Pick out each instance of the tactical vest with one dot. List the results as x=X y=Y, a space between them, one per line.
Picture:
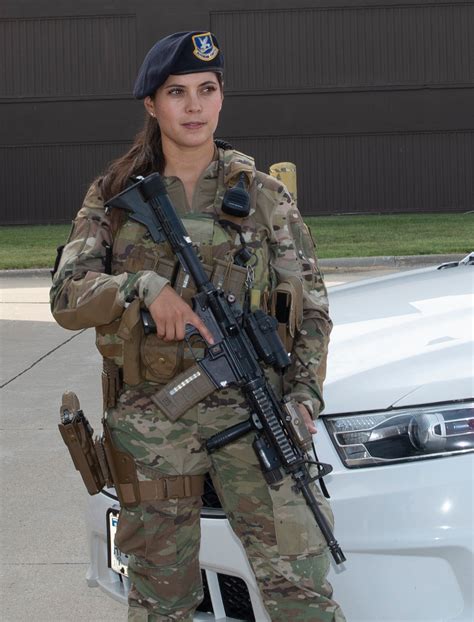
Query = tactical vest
x=145 y=358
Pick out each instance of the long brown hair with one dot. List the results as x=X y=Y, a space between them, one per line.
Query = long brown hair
x=144 y=157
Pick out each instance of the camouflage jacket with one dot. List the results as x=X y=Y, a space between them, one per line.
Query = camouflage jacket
x=84 y=295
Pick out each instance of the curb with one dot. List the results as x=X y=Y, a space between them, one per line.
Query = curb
x=345 y=264
x=26 y=272
x=348 y=264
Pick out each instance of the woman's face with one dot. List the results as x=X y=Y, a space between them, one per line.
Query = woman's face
x=187 y=108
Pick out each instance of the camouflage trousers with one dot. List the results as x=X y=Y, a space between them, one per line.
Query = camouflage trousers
x=284 y=545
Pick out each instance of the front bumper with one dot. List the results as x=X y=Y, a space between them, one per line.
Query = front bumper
x=230 y=589
x=406 y=530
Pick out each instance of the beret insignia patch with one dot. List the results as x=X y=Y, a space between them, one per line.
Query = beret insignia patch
x=204 y=47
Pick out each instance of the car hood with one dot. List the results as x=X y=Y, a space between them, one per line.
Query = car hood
x=401 y=340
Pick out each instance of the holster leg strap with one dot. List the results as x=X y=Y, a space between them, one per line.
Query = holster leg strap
x=177 y=487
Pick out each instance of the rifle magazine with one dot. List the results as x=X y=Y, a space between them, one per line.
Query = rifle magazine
x=187 y=389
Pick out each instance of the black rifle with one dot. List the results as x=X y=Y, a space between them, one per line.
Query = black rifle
x=240 y=342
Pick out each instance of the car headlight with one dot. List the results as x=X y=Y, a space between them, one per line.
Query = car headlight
x=366 y=439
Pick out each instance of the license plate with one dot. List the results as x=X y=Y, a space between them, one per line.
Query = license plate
x=118 y=561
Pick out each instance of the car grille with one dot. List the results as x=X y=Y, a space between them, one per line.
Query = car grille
x=234 y=592
x=210 y=498
x=235 y=597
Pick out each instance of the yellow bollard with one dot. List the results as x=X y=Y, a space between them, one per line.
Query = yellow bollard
x=286 y=173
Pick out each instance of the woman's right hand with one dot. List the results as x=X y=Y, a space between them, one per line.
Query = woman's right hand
x=171 y=314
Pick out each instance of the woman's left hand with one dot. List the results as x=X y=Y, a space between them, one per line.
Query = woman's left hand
x=307 y=418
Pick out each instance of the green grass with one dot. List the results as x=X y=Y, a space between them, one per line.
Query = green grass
x=336 y=236
x=25 y=246
x=401 y=234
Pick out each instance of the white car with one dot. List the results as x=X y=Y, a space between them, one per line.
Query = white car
x=398 y=429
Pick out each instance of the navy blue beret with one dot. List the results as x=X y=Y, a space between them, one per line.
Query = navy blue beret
x=180 y=53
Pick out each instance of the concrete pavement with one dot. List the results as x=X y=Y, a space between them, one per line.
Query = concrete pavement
x=43 y=543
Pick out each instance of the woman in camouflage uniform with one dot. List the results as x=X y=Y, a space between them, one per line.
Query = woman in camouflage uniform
x=110 y=268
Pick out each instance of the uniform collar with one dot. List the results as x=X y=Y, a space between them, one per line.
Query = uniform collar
x=210 y=172
x=231 y=162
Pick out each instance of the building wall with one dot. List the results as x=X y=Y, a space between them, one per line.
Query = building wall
x=373 y=101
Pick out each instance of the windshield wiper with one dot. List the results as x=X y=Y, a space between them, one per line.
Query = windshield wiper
x=467 y=260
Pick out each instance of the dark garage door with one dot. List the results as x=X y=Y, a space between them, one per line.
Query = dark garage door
x=373 y=102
